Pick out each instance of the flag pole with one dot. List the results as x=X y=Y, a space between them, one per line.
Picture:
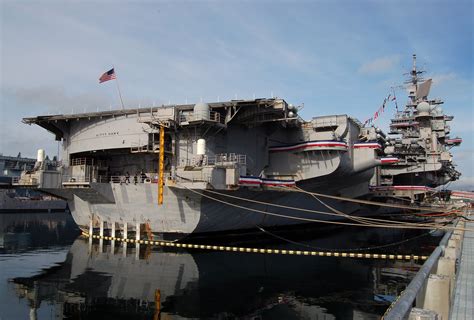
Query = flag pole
x=118 y=88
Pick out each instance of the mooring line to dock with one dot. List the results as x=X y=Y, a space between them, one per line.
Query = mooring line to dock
x=431 y=213
x=356 y=218
x=368 y=202
x=368 y=220
x=392 y=226
x=359 y=219
x=354 y=255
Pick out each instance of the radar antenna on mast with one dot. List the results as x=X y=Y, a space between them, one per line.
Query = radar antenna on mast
x=414 y=74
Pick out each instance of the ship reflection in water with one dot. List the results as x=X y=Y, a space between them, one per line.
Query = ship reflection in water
x=98 y=280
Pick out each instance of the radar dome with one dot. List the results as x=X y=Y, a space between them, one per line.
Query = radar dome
x=423 y=109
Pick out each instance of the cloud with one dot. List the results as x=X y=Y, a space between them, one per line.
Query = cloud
x=379 y=65
x=467 y=154
x=464 y=183
x=440 y=78
x=52 y=100
x=55 y=99
x=18 y=137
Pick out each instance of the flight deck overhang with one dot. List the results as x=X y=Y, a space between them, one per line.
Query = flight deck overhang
x=46 y=123
x=114 y=113
x=56 y=124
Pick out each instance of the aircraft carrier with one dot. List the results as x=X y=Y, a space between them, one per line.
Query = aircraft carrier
x=251 y=150
x=241 y=164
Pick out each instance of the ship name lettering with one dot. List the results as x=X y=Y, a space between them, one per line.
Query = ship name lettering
x=104 y=134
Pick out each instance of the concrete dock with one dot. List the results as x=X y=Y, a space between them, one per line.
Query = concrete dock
x=463 y=306
x=443 y=288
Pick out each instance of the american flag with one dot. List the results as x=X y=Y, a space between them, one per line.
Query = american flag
x=109 y=75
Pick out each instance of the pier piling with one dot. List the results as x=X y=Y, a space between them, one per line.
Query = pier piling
x=125 y=231
x=137 y=241
x=124 y=236
x=112 y=235
x=101 y=235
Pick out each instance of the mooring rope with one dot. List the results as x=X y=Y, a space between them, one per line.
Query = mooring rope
x=393 y=226
x=394 y=222
x=364 y=219
x=368 y=202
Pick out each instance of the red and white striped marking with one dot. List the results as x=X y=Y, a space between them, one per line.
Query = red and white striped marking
x=367 y=145
x=389 y=160
x=454 y=141
x=462 y=194
x=311 y=145
x=250 y=181
x=277 y=183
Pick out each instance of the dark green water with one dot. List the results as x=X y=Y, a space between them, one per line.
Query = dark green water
x=47 y=272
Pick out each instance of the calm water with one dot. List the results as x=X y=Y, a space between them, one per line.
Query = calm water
x=47 y=272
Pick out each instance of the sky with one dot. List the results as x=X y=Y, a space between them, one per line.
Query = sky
x=333 y=57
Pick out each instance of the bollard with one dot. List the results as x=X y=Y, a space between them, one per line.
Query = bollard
x=422 y=314
x=451 y=252
x=437 y=295
x=458 y=238
x=454 y=243
x=447 y=267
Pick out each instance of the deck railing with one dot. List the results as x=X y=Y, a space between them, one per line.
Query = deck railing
x=216 y=160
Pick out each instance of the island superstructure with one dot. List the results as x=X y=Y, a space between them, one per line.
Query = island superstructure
x=420 y=139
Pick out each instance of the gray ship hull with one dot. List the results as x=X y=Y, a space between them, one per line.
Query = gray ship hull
x=187 y=211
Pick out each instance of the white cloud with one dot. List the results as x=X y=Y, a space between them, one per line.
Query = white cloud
x=379 y=65
x=55 y=99
x=438 y=79
x=464 y=183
